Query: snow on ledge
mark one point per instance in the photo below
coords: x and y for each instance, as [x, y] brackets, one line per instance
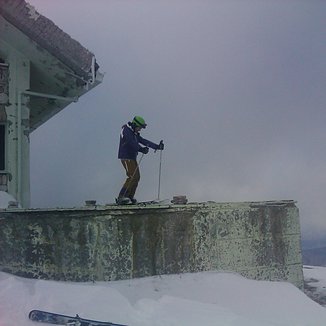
[6, 199]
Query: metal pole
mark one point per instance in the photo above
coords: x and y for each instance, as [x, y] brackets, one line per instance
[55, 97]
[19, 149]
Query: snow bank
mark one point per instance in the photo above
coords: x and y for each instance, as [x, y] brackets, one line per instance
[204, 299]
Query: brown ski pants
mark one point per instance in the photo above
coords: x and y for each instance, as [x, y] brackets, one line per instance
[133, 177]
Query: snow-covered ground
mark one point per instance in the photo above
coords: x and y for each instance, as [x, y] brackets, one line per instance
[315, 283]
[200, 299]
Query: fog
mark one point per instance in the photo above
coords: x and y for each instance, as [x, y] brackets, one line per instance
[236, 89]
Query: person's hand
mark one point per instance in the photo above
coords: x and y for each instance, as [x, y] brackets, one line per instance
[160, 146]
[144, 150]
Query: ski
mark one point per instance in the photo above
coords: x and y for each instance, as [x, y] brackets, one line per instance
[153, 202]
[140, 203]
[53, 318]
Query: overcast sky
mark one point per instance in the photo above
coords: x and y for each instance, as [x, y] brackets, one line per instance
[235, 88]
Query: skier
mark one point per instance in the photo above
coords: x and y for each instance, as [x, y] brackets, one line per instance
[129, 147]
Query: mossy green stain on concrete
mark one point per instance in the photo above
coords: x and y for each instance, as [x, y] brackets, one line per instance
[258, 240]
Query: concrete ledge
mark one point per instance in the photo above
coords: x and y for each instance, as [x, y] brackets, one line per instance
[260, 240]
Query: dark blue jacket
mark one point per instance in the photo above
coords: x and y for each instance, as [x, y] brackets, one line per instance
[129, 143]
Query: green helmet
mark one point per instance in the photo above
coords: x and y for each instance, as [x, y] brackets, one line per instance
[139, 122]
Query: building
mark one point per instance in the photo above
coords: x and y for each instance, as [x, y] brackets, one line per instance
[42, 71]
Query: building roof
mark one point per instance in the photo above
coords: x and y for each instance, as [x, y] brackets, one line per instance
[49, 36]
[59, 65]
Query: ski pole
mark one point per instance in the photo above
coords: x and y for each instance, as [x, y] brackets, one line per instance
[141, 157]
[159, 177]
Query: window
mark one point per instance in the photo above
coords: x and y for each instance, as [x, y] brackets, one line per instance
[2, 146]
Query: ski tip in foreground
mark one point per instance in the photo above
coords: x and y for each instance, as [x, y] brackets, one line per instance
[53, 318]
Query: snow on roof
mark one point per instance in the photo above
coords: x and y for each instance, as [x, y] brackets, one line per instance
[44, 32]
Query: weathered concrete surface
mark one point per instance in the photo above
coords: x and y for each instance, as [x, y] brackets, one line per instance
[259, 240]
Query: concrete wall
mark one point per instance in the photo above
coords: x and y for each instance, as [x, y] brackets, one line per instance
[258, 240]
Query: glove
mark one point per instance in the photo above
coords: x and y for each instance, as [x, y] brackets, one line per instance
[144, 150]
[160, 146]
